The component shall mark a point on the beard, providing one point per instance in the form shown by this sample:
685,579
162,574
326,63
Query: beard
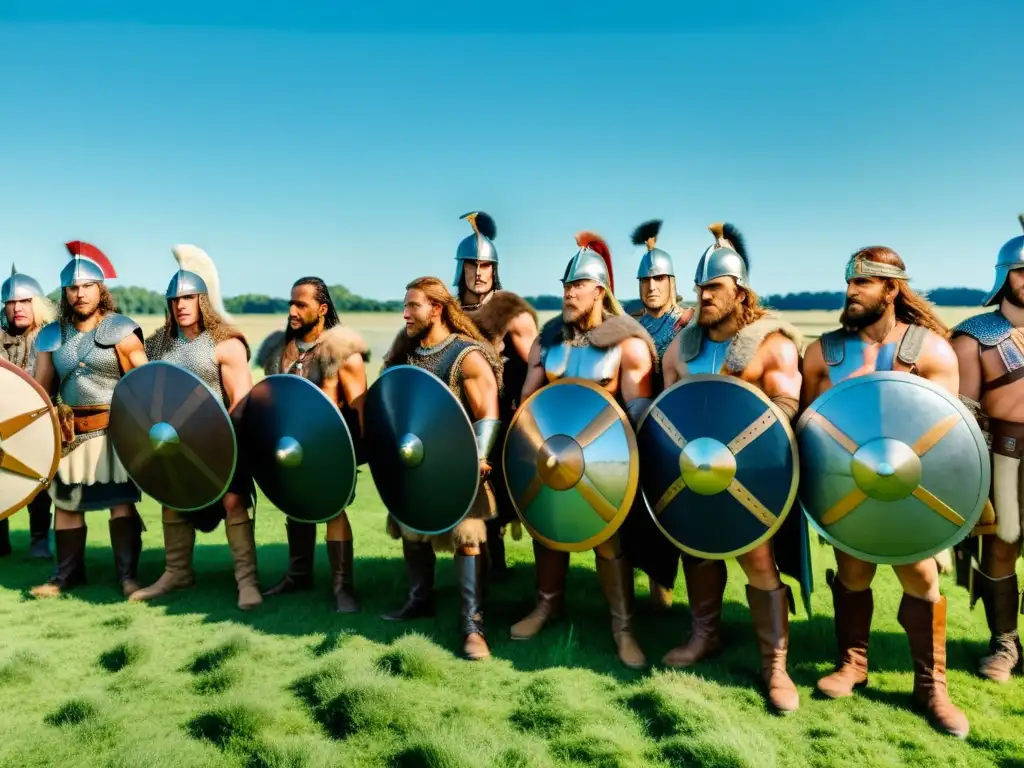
297,333
712,315
417,330
1013,297
857,316
84,312
573,314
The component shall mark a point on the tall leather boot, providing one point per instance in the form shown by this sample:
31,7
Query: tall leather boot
853,611
39,521
925,625
616,577
1000,597
242,540
469,570
5,537
770,611
705,587
552,569
419,566
70,571
341,557
495,557
301,551
179,544
126,543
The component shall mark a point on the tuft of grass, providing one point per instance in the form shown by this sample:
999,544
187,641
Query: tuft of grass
218,681
122,655
23,667
415,658
73,712
428,755
545,710
233,728
214,659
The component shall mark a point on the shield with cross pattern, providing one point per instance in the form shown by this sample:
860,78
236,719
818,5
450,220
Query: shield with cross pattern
29,439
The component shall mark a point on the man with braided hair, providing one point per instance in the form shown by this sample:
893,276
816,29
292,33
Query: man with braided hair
440,338
317,346
886,326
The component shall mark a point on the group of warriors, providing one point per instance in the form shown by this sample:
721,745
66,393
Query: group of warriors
485,345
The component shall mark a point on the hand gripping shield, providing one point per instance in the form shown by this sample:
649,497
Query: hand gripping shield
173,435
571,465
298,448
894,469
29,439
421,449
719,466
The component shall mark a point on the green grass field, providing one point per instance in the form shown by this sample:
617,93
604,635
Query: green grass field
91,680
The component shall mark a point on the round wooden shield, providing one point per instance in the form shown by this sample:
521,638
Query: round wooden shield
29,439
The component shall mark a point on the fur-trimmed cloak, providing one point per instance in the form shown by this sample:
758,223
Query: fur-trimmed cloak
613,330
333,348
744,344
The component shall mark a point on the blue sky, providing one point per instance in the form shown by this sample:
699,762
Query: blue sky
304,138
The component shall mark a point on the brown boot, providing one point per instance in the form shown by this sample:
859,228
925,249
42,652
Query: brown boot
469,572
1001,597
925,625
126,543
552,569
179,544
301,551
340,555
70,573
616,577
853,611
771,622
242,540
705,586
419,567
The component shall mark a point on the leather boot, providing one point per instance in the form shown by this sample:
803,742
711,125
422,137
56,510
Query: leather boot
340,555
497,568
5,537
419,566
705,587
242,540
179,544
552,569
126,543
469,570
771,622
853,611
39,521
616,577
1000,597
70,571
925,625
301,550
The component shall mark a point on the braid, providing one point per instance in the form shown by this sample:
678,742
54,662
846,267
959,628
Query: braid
323,296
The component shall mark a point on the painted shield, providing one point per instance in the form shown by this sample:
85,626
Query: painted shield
173,435
421,450
298,448
29,439
894,468
719,466
571,465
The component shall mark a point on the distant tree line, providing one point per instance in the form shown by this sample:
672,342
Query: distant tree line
833,300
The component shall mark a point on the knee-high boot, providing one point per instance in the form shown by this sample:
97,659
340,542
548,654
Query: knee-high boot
552,569
853,611
340,554
469,571
770,610
179,545
301,551
616,577
1001,598
705,589
419,566
242,540
39,521
126,543
70,571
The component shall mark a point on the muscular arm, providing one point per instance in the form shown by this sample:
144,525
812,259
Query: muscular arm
815,375
235,375
132,352
636,369
781,379
968,356
45,375
938,364
480,386
523,331
352,380
535,372
670,364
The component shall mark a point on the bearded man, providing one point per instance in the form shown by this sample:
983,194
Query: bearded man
440,338
887,327
26,311
317,347
509,323
735,336
990,350
592,339
81,357
198,336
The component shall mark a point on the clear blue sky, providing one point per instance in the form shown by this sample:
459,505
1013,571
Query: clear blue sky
299,138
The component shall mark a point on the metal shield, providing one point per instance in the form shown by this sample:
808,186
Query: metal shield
29,439
173,435
298,448
571,465
719,467
421,450
894,468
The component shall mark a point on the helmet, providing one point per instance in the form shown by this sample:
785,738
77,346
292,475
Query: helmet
1011,256
196,274
19,287
726,256
593,261
88,265
479,246
655,262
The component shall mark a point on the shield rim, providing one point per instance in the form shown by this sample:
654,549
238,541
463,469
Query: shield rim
469,428
350,445
632,484
794,488
227,418
52,414
979,440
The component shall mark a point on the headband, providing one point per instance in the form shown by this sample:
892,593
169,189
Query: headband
859,266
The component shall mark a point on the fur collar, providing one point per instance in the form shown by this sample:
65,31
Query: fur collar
612,331
334,346
494,315
268,356
744,344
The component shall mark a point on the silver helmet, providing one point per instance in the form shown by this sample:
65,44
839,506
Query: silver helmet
19,287
593,261
197,274
88,265
1011,257
479,246
655,262
185,283
727,256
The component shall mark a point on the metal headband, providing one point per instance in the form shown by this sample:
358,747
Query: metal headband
859,266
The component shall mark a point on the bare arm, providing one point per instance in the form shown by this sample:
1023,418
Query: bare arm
131,352
352,380
523,331
636,369
670,364
235,375
480,385
938,364
815,376
968,356
45,375
781,379
535,372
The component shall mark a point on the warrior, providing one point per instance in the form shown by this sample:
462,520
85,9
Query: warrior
735,336
593,339
316,346
26,311
199,337
990,350
886,326
81,357
509,323
440,338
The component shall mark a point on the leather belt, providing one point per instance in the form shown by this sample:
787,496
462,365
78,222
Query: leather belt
90,418
1007,437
